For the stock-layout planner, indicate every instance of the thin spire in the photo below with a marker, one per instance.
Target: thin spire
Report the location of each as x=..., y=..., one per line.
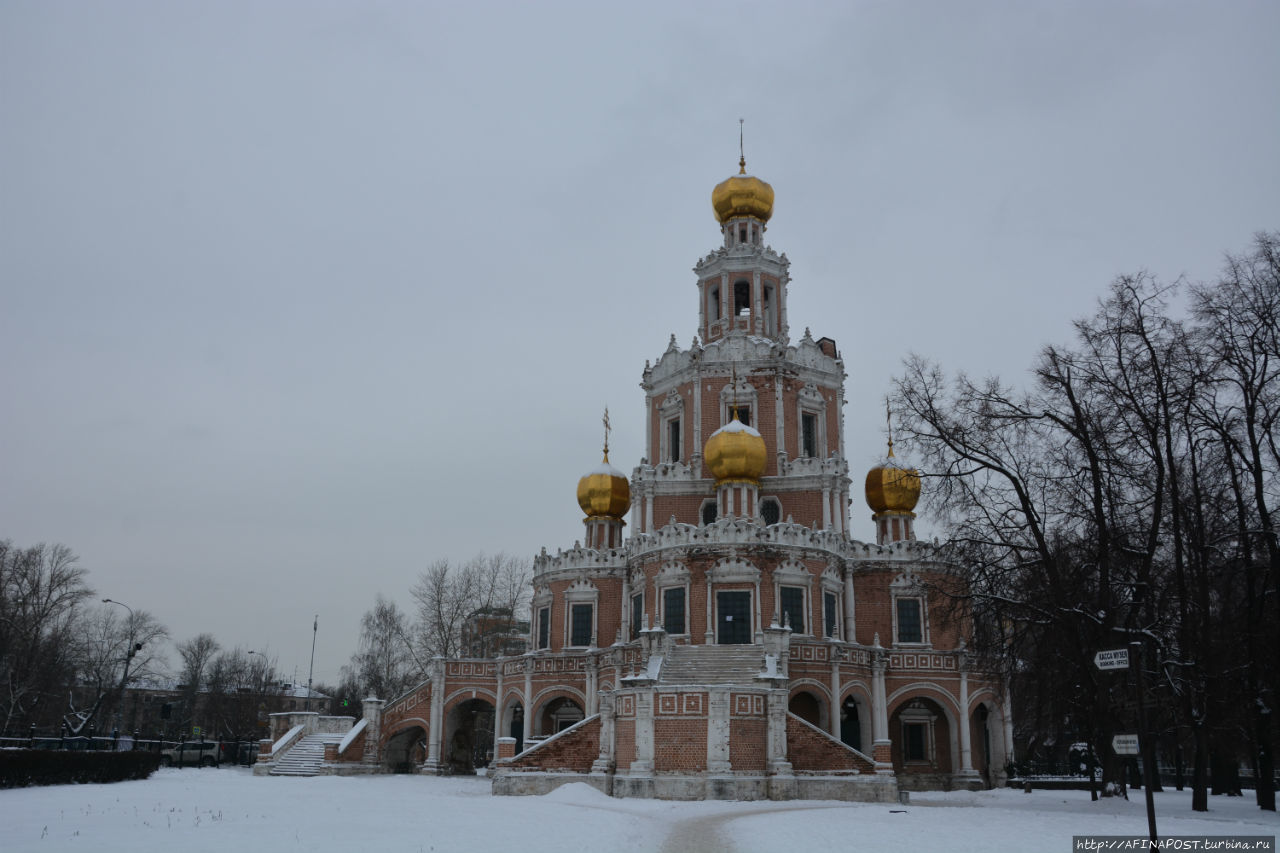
x=606, y=433
x=888, y=423
x=742, y=156
x=733, y=392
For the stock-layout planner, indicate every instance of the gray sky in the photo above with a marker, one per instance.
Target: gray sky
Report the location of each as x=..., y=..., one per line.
x=298, y=297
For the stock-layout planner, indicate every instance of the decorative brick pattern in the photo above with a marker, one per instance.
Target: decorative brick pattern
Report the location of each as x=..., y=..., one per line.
x=810, y=748
x=572, y=750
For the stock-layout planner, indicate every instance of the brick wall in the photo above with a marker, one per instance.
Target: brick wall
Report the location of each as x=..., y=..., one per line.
x=680, y=743
x=748, y=743
x=810, y=748
x=573, y=749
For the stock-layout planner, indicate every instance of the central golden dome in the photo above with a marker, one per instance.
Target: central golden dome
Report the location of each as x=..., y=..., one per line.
x=735, y=453
x=604, y=492
x=892, y=488
x=742, y=195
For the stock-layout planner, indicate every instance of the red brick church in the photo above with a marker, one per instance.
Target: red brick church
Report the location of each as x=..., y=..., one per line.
x=737, y=642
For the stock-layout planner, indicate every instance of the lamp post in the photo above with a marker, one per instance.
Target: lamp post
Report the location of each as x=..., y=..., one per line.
x=315, y=626
x=134, y=648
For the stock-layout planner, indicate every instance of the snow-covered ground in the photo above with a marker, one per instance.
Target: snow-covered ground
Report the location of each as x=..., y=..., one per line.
x=229, y=809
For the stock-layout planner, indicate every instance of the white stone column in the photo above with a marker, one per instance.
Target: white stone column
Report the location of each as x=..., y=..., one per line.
x=1007, y=708
x=826, y=507
x=850, y=626
x=435, y=737
x=833, y=718
x=593, y=684
x=966, y=747
x=643, y=764
x=373, y=729
x=881, y=745
x=604, y=761
x=776, y=709
x=718, y=732
x=626, y=611
x=497, y=709
x=528, y=702
x=711, y=626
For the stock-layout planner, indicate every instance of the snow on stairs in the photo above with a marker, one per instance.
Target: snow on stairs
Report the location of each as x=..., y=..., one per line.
x=711, y=664
x=306, y=757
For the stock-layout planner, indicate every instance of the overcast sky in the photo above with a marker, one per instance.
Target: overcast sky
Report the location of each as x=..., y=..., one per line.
x=298, y=297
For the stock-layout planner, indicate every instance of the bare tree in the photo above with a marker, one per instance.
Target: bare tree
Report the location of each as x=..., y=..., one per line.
x=41, y=591
x=447, y=594
x=385, y=665
x=112, y=652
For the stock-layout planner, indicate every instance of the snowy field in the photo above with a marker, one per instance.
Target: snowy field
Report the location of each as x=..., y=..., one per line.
x=229, y=809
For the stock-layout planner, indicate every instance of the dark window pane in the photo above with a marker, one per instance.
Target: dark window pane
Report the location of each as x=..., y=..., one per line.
x=709, y=513
x=673, y=439
x=829, y=614
x=544, y=627
x=637, y=615
x=733, y=610
x=673, y=610
x=770, y=511
x=909, y=629
x=809, y=435
x=793, y=607
x=741, y=297
x=580, y=627
x=913, y=746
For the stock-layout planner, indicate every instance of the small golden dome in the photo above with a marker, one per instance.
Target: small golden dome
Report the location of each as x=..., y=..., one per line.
x=604, y=492
x=735, y=453
x=892, y=488
x=742, y=195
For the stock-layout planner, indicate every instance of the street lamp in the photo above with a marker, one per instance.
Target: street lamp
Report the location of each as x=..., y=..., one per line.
x=134, y=648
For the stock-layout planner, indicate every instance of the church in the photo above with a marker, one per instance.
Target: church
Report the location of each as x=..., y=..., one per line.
x=718, y=632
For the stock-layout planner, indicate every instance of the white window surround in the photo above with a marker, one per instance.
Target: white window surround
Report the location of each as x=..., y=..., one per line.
x=915, y=714
x=908, y=586
x=671, y=409
x=810, y=401
x=581, y=591
x=792, y=573
x=662, y=605
x=739, y=393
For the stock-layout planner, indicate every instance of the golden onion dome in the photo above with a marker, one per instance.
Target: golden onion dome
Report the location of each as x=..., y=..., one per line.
x=892, y=488
x=742, y=195
x=604, y=492
x=736, y=453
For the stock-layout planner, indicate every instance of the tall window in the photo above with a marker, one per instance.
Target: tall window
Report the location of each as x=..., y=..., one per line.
x=829, y=614
x=709, y=512
x=809, y=434
x=673, y=440
x=673, y=610
x=637, y=615
x=741, y=297
x=744, y=413
x=544, y=627
x=910, y=629
x=713, y=304
x=793, y=607
x=770, y=511
x=580, y=624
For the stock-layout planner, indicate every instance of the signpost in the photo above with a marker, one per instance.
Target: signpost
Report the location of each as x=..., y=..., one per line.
x=1125, y=744
x=1111, y=659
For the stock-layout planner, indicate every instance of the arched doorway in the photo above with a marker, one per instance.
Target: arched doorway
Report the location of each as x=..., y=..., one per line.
x=807, y=707
x=920, y=734
x=980, y=740
x=556, y=716
x=405, y=750
x=850, y=724
x=468, y=730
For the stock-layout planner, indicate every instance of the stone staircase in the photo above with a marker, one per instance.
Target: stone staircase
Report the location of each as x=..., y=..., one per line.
x=304, y=758
x=710, y=664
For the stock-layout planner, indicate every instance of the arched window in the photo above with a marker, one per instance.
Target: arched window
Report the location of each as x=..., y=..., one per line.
x=770, y=511
x=709, y=512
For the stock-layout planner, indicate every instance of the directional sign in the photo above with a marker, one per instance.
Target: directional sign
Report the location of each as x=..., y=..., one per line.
x=1125, y=744
x=1112, y=659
